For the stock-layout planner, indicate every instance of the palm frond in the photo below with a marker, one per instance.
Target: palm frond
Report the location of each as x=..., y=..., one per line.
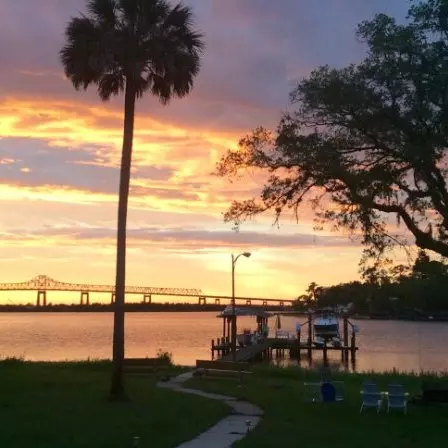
x=129, y=11
x=78, y=55
x=160, y=87
x=110, y=84
x=103, y=11
x=179, y=24
x=146, y=41
x=177, y=67
x=194, y=41
x=180, y=16
x=141, y=85
x=152, y=14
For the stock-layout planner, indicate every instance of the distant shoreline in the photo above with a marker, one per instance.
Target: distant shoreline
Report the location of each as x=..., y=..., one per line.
x=187, y=308
x=129, y=307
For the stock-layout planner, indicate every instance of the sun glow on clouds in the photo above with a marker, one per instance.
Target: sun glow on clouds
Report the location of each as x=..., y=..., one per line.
x=192, y=155
x=13, y=193
x=60, y=153
x=183, y=185
x=72, y=125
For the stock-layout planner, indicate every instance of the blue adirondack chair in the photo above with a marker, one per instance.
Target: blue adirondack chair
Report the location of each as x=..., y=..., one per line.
x=397, y=398
x=371, y=397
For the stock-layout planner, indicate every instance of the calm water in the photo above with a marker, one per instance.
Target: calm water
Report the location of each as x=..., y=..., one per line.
x=73, y=336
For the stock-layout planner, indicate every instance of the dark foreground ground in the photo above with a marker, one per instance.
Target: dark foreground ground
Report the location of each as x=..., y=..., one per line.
x=289, y=421
x=54, y=405
x=64, y=405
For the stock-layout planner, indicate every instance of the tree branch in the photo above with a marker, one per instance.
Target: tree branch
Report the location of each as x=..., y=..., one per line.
x=423, y=239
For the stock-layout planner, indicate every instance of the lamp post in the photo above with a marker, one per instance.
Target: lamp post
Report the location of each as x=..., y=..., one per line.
x=233, y=341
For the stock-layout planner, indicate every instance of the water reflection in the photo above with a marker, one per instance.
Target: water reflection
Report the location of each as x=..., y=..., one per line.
x=335, y=363
x=388, y=345
x=383, y=345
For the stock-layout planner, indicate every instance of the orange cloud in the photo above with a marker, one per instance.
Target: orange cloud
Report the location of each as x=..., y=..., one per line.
x=191, y=153
x=50, y=193
x=73, y=125
x=149, y=197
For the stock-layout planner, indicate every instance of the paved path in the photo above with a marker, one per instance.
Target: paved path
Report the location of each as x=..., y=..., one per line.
x=228, y=430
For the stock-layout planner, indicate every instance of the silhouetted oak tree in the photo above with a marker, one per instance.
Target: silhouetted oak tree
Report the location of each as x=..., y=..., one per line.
x=135, y=47
x=367, y=142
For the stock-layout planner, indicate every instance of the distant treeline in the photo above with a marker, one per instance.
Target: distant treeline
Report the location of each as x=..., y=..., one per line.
x=130, y=307
x=419, y=291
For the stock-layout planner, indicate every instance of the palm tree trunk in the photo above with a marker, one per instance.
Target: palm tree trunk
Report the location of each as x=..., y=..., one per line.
x=117, y=387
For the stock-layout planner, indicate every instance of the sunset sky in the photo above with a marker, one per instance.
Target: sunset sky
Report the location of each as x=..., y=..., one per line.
x=60, y=152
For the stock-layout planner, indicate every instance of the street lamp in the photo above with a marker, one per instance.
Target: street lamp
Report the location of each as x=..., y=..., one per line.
x=233, y=341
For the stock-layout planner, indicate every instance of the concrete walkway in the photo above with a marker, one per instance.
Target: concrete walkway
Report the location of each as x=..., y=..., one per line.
x=244, y=418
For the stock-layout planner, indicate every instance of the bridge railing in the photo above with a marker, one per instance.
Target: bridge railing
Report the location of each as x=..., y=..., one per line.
x=44, y=283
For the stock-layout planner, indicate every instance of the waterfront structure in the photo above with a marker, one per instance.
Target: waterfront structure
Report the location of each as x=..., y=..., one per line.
x=42, y=284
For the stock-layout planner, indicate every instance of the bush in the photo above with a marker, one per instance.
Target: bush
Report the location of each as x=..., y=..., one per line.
x=166, y=356
x=12, y=360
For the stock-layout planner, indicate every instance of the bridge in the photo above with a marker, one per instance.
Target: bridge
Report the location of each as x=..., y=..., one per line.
x=43, y=283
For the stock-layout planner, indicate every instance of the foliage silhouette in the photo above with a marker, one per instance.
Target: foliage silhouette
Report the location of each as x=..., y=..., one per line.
x=367, y=144
x=401, y=292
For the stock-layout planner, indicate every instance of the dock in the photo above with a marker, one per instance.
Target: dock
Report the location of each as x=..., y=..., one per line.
x=250, y=352
x=259, y=345
x=266, y=349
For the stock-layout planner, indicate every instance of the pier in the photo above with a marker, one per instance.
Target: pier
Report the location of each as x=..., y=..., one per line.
x=251, y=352
x=279, y=347
x=256, y=347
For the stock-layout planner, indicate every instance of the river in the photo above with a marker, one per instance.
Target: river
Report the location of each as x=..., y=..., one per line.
x=383, y=345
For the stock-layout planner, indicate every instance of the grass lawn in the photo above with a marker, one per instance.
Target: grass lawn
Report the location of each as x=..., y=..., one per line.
x=64, y=405
x=289, y=421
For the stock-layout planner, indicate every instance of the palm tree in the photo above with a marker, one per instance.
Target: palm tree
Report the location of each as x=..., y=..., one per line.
x=131, y=46
x=311, y=290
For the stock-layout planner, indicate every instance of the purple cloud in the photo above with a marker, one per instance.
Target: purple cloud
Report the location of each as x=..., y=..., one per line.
x=189, y=238
x=253, y=49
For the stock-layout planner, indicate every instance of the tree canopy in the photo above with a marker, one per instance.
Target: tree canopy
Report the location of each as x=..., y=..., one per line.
x=366, y=145
x=400, y=291
x=147, y=41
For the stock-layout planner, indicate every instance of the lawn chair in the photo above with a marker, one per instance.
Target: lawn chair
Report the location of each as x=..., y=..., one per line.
x=333, y=391
x=328, y=392
x=312, y=392
x=371, y=398
x=340, y=390
x=397, y=398
x=369, y=387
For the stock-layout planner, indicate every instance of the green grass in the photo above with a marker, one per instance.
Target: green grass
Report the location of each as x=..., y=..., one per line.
x=55, y=405
x=289, y=421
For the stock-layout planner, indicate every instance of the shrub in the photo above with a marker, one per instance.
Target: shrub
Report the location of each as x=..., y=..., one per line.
x=166, y=356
